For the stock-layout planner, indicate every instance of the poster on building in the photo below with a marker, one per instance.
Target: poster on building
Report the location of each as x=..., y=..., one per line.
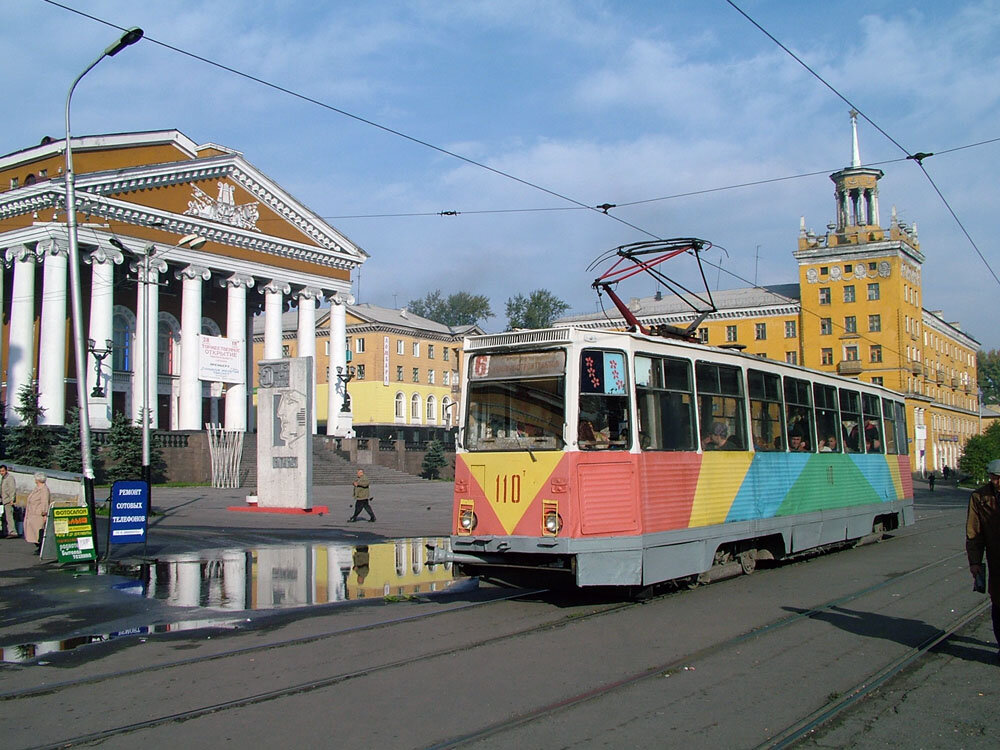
x=74, y=534
x=221, y=359
x=129, y=512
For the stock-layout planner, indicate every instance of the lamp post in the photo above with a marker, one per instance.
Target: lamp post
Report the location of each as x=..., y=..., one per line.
x=345, y=378
x=129, y=37
x=99, y=356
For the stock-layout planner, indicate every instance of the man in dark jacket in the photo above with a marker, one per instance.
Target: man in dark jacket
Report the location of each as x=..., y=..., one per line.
x=982, y=533
x=362, y=494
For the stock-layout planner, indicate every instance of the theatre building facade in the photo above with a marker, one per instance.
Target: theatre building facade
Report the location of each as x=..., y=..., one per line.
x=181, y=245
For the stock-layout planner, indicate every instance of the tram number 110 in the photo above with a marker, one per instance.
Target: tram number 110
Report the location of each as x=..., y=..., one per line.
x=508, y=489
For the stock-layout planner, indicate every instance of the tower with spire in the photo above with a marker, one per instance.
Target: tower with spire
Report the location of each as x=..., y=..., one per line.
x=860, y=285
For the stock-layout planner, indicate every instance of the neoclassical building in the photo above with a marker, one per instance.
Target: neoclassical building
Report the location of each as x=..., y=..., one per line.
x=857, y=310
x=181, y=245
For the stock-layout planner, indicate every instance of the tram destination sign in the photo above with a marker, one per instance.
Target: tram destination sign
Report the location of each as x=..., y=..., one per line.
x=518, y=365
x=129, y=511
x=74, y=534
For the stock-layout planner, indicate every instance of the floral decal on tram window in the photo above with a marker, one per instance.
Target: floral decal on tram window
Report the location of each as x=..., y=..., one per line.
x=604, y=419
x=603, y=372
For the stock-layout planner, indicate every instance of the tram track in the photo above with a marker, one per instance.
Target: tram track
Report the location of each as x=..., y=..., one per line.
x=516, y=721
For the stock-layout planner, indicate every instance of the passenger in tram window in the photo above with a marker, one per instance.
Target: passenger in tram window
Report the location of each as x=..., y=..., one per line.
x=873, y=443
x=797, y=443
x=851, y=437
x=718, y=439
x=828, y=444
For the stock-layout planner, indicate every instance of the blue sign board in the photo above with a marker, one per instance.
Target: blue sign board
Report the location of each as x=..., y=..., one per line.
x=129, y=511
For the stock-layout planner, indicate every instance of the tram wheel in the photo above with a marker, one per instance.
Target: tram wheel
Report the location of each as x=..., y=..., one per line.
x=748, y=561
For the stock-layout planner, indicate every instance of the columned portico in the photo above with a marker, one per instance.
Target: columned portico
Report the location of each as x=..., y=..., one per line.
x=236, y=326
x=21, y=346
x=102, y=262
x=52, y=331
x=339, y=423
x=306, y=333
x=190, y=395
x=147, y=314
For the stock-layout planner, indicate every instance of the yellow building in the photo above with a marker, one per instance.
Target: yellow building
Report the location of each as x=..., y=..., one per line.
x=857, y=311
x=403, y=371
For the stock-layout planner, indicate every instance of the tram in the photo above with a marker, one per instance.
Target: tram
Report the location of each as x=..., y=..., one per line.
x=621, y=458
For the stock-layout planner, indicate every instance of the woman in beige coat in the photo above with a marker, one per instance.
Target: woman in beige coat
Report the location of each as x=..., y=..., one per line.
x=36, y=511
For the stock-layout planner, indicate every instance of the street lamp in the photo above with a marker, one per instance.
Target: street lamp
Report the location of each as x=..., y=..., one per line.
x=346, y=378
x=99, y=356
x=129, y=37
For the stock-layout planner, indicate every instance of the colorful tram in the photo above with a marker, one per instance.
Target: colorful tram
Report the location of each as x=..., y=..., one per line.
x=605, y=458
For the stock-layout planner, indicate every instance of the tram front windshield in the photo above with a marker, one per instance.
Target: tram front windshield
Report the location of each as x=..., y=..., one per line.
x=516, y=402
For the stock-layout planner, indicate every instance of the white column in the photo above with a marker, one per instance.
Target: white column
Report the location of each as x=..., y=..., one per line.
x=21, y=344
x=236, y=328
x=52, y=334
x=306, y=334
x=147, y=313
x=102, y=262
x=190, y=395
x=273, y=305
x=338, y=423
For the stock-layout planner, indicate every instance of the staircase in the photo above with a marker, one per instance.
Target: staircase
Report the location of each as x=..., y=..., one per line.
x=328, y=468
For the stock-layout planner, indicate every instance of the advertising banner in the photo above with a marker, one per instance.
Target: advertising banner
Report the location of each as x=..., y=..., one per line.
x=74, y=534
x=221, y=359
x=129, y=511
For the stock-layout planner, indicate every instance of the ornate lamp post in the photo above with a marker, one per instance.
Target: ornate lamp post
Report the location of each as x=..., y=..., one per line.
x=345, y=378
x=129, y=37
x=99, y=356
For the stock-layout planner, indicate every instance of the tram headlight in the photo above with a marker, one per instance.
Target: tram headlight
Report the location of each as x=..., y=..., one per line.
x=552, y=522
x=467, y=520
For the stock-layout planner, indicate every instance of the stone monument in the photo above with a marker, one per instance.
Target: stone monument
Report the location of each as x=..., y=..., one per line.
x=284, y=433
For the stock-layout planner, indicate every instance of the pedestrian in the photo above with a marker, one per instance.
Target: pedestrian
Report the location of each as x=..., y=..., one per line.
x=8, y=495
x=362, y=496
x=36, y=511
x=982, y=532
x=930, y=480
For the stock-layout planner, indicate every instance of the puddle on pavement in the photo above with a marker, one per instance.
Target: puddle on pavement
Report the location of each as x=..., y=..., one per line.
x=267, y=577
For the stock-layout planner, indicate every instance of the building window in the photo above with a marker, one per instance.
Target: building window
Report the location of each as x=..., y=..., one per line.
x=400, y=406
x=121, y=353
x=285, y=350
x=760, y=331
x=876, y=351
x=877, y=380
x=165, y=349
x=848, y=269
x=415, y=407
x=872, y=266
x=416, y=374
x=825, y=326
x=399, y=373
x=792, y=358
x=824, y=270
x=444, y=354
x=849, y=293
x=851, y=353
x=824, y=295
x=873, y=292
x=850, y=324
x=431, y=409
x=730, y=333
x=430, y=377
x=874, y=323
x=703, y=335
x=359, y=372
x=430, y=351
x=359, y=346
x=446, y=376
x=416, y=348
x=790, y=331
x=400, y=347
x=826, y=356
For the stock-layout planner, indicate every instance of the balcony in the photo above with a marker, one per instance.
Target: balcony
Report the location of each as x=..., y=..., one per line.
x=849, y=367
x=916, y=368
x=955, y=382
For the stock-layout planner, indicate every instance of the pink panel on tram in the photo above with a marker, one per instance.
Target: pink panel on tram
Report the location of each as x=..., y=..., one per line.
x=667, y=489
x=905, y=475
x=607, y=493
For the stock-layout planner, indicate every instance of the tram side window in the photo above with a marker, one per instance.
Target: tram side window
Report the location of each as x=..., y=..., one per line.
x=604, y=414
x=873, y=423
x=666, y=403
x=721, y=406
x=766, y=425
x=850, y=421
x=901, y=442
x=827, y=418
x=889, y=412
x=799, y=415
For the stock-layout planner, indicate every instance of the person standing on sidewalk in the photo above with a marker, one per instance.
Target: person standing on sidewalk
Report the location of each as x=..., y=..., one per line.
x=36, y=511
x=8, y=494
x=982, y=533
x=930, y=480
x=362, y=494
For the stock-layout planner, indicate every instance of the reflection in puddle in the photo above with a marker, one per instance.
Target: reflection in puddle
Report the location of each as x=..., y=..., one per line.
x=266, y=578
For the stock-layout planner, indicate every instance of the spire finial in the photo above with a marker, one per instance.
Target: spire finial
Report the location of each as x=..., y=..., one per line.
x=855, y=151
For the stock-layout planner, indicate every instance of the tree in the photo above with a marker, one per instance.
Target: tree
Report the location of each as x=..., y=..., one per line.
x=68, y=454
x=29, y=443
x=979, y=451
x=124, y=452
x=537, y=310
x=434, y=460
x=988, y=366
x=459, y=309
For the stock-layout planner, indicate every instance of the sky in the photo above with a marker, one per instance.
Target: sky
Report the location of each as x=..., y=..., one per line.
x=579, y=103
